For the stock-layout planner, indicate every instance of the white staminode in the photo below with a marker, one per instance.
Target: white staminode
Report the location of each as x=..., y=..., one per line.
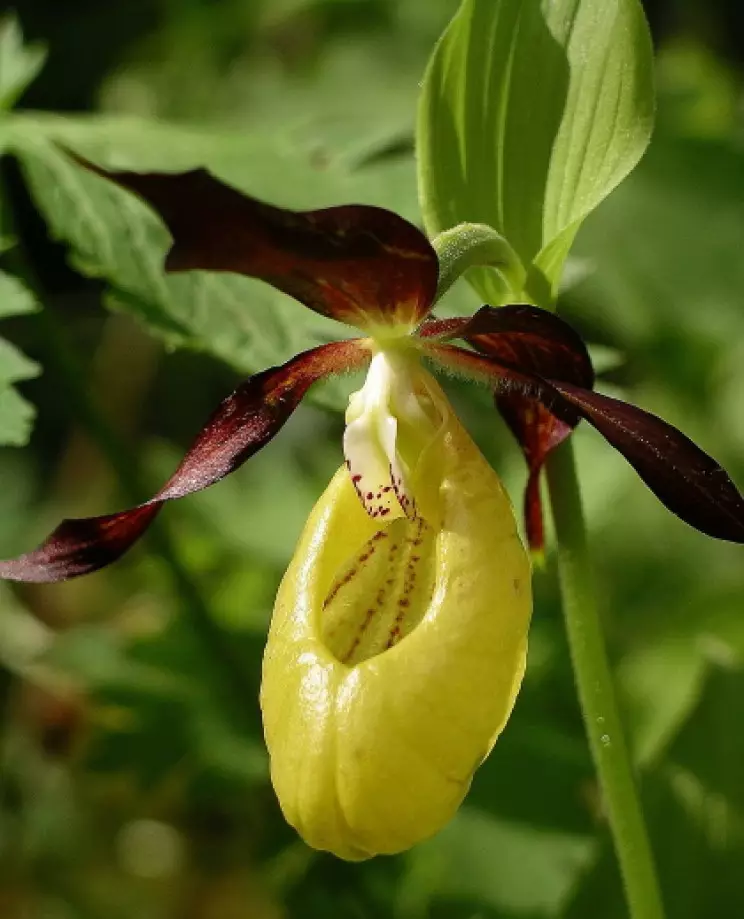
x=372, y=438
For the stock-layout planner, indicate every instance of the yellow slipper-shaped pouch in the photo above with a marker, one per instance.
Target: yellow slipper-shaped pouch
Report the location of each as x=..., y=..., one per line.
x=396, y=649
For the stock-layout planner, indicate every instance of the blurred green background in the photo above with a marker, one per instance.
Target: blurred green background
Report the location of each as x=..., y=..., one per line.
x=133, y=777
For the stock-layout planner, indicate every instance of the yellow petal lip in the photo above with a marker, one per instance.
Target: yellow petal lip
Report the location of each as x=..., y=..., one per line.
x=373, y=746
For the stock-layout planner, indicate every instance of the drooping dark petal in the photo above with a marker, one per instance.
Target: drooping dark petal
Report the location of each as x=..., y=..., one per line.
x=241, y=425
x=356, y=263
x=534, y=340
x=684, y=478
x=537, y=431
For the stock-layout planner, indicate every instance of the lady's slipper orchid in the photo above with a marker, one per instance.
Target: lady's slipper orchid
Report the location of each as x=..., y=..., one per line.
x=399, y=635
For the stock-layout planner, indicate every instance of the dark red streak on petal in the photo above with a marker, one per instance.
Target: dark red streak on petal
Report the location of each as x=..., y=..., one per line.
x=356, y=263
x=241, y=425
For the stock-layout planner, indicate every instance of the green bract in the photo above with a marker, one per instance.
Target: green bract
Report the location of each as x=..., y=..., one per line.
x=531, y=113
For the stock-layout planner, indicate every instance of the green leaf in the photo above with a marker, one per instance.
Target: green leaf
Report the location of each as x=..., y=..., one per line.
x=19, y=64
x=662, y=683
x=531, y=113
x=16, y=414
x=114, y=236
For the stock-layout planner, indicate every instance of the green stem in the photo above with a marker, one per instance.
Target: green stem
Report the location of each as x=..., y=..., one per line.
x=597, y=692
x=475, y=245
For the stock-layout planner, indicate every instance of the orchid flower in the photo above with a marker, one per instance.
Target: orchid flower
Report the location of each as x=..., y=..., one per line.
x=399, y=635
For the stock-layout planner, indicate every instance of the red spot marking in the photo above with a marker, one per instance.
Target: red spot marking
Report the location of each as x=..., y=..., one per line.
x=384, y=511
x=369, y=496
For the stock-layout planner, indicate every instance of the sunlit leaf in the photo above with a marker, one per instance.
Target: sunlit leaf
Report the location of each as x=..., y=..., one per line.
x=531, y=113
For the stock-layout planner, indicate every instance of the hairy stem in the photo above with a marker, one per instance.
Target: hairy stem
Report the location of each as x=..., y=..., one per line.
x=475, y=245
x=597, y=692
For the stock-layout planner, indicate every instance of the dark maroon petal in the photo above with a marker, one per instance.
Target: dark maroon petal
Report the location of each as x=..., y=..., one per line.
x=687, y=481
x=538, y=341
x=240, y=426
x=359, y=264
x=503, y=378
x=531, y=339
x=538, y=432
x=523, y=336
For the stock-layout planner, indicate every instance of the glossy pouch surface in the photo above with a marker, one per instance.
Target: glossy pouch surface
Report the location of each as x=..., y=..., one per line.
x=395, y=653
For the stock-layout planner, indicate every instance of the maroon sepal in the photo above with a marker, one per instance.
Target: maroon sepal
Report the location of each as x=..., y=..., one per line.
x=685, y=479
x=241, y=425
x=359, y=264
x=538, y=341
x=537, y=431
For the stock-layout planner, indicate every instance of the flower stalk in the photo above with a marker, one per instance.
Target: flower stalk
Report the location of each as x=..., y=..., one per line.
x=597, y=692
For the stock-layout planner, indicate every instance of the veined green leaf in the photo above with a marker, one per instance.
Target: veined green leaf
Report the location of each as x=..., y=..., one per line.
x=532, y=111
x=16, y=414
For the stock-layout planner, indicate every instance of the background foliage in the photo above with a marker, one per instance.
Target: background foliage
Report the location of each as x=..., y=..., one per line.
x=132, y=771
